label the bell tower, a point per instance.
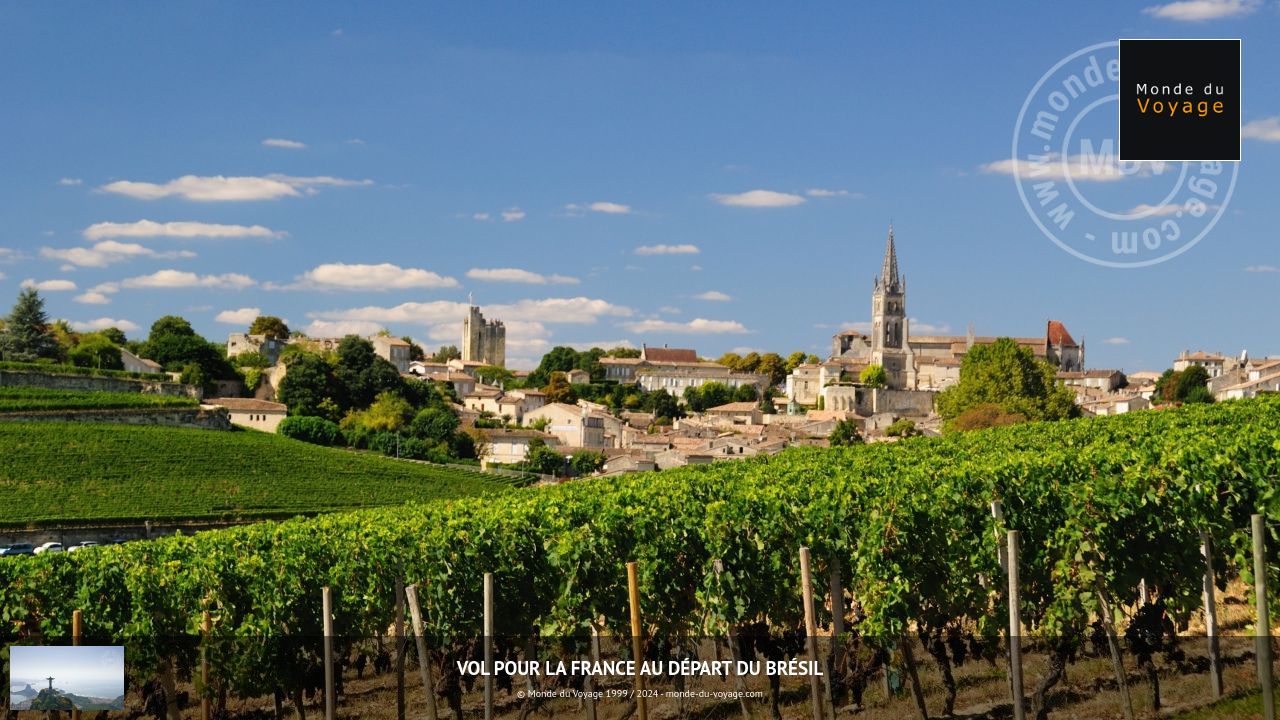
(889, 348)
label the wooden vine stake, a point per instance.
(1116, 663)
(206, 628)
(488, 646)
(1015, 627)
(637, 641)
(811, 633)
(1211, 616)
(739, 685)
(835, 593)
(424, 664)
(1264, 618)
(400, 647)
(330, 700)
(77, 633)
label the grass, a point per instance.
(25, 399)
(1241, 707)
(55, 473)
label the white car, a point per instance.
(83, 545)
(52, 547)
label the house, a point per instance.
(1213, 363)
(511, 447)
(628, 461)
(393, 350)
(674, 370)
(133, 363)
(1116, 404)
(736, 413)
(463, 384)
(571, 425)
(1107, 380)
(266, 345)
(247, 412)
(1251, 388)
(578, 377)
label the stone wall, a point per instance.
(106, 532)
(89, 383)
(203, 417)
(902, 402)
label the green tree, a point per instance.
(873, 376)
(709, 395)
(542, 459)
(795, 360)
(115, 335)
(558, 390)
(175, 345)
(902, 427)
(845, 433)
(745, 393)
(364, 374)
(95, 350)
(269, 325)
(1192, 386)
(251, 359)
(445, 354)
(663, 405)
(311, 388)
(586, 462)
(1010, 377)
(434, 423)
(493, 375)
(558, 359)
(416, 353)
(388, 413)
(774, 366)
(27, 335)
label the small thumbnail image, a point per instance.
(87, 677)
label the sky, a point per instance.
(90, 670)
(711, 175)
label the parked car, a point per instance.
(84, 544)
(50, 547)
(18, 549)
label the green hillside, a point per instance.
(24, 399)
(60, 473)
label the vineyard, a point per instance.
(76, 370)
(69, 474)
(25, 399)
(1102, 506)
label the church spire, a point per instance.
(889, 278)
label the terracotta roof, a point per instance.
(506, 433)
(663, 354)
(1058, 334)
(247, 404)
(1201, 355)
(734, 407)
(389, 340)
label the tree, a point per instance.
(251, 359)
(96, 351)
(311, 388)
(902, 427)
(363, 373)
(844, 434)
(745, 393)
(986, 415)
(416, 353)
(434, 423)
(388, 413)
(558, 390)
(586, 462)
(445, 354)
(27, 336)
(115, 335)
(795, 360)
(65, 335)
(269, 325)
(873, 376)
(560, 359)
(774, 366)
(623, 352)
(1193, 385)
(709, 395)
(1010, 377)
(493, 375)
(175, 345)
(543, 460)
(314, 430)
(766, 402)
(664, 405)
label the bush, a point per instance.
(902, 428)
(315, 430)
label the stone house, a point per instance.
(247, 412)
(393, 350)
(510, 447)
(133, 363)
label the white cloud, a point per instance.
(1116, 341)
(603, 344)
(667, 250)
(92, 297)
(103, 323)
(283, 143)
(1267, 129)
(575, 310)
(107, 252)
(384, 276)
(2, 276)
(512, 214)
(668, 309)
(180, 279)
(610, 207)
(1262, 269)
(697, 326)
(758, 199)
(70, 181)
(150, 228)
(219, 188)
(243, 316)
(713, 296)
(1080, 168)
(354, 141)
(49, 285)
(825, 193)
(341, 328)
(481, 216)
(9, 255)
(1162, 210)
(516, 275)
(1197, 10)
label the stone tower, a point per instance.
(483, 340)
(889, 347)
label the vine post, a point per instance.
(1015, 629)
(738, 684)
(836, 594)
(400, 648)
(637, 642)
(488, 646)
(326, 605)
(206, 627)
(590, 679)
(1211, 616)
(1264, 618)
(424, 664)
(77, 634)
(811, 632)
(1105, 616)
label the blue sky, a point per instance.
(354, 166)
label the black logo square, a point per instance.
(1179, 100)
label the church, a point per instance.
(920, 362)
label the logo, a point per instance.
(1067, 168)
